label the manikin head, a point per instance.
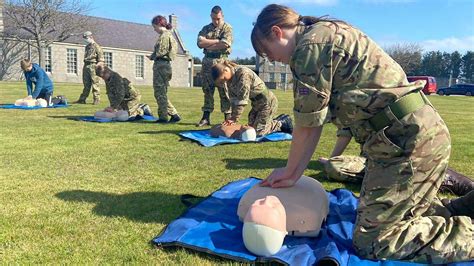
(265, 226)
(217, 16)
(234, 131)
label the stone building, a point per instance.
(276, 75)
(125, 46)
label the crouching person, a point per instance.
(244, 85)
(36, 77)
(122, 95)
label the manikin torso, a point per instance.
(234, 131)
(306, 205)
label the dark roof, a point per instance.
(118, 34)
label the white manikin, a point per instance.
(306, 206)
(30, 102)
(118, 115)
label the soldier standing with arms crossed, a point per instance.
(216, 40)
(92, 56)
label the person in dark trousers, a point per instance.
(36, 77)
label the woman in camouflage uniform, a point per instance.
(244, 86)
(341, 75)
(164, 53)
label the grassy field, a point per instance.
(78, 192)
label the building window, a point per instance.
(139, 66)
(71, 61)
(283, 77)
(108, 59)
(272, 77)
(47, 59)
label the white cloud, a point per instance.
(450, 44)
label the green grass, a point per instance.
(78, 192)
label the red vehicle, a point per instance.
(430, 86)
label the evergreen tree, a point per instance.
(468, 66)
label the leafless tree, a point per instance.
(42, 22)
(10, 56)
(408, 55)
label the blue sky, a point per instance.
(444, 25)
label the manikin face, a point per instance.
(269, 212)
(280, 45)
(217, 19)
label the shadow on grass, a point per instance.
(264, 163)
(79, 118)
(158, 132)
(146, 207)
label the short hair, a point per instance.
(100, 68)
(216, 10)
(25, 63)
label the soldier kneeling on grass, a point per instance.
(121, 93)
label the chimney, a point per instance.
(173, 21)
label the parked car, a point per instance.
(458, 89)
(430, 86)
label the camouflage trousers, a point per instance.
(162, 74)
(261, 116)
(91, 81)
(132, 105)
(406, 164)
(346, 168)
(208, 87)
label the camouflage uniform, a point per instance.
(165, 51)
(92, 56)
(122, 95)
(245, 85)
(224, 34)
(342, 75)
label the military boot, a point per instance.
(175, 118)
(96, 102)
(205, 120)
(456, 183)
(462, 206)
(286, 123)
(161, 121)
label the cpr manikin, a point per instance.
(116, 115)
(305, 206)
(234, 131)
(30, 102)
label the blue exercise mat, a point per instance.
(204, 138)
(106, 120)
(12, 106)
(213, 227)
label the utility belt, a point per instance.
(90, 63)
(215, 55)
(405, 105)
(162, 59)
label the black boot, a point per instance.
(205, 120)
(462, 206)
(175, 118)
(456, 183)
(80, 101)
(286, 123)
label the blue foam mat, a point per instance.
(204, 138)
(213, 227)
(106, 120)
(12, 106)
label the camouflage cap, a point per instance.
(86, 34)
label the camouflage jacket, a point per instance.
(246, 85)
(119, 89)
(223, 33)
(93, 53)
(165, 47)
(341, 75)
